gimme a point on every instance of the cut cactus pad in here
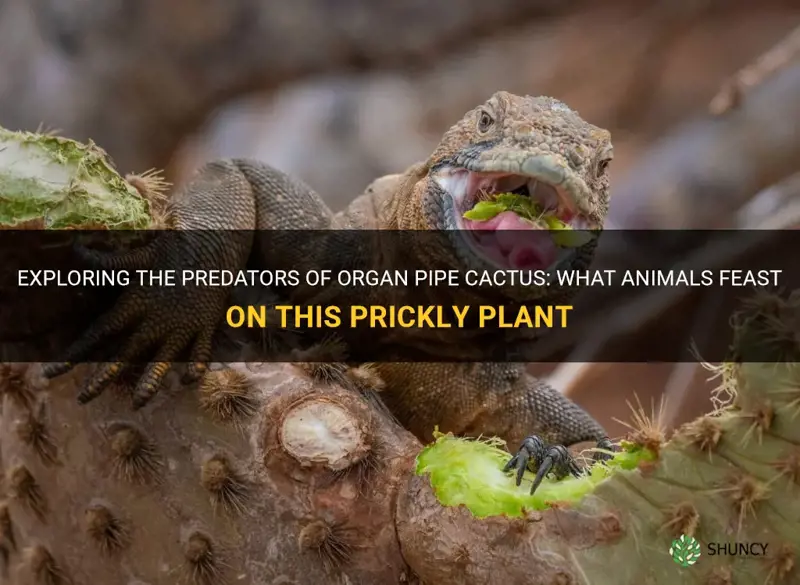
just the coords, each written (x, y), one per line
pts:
(54, 183)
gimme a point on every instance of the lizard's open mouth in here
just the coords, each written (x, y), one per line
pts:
(508, 239)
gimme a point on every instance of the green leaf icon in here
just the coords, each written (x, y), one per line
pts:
(685, 550)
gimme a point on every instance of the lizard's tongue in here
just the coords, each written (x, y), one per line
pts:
(509, 240)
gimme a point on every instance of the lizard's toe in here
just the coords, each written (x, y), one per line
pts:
(558, 461)
(123, 315)
(606, 450)
(512, 463)
(201, 355)
(107, 373)
(56, 369)
(153, 377)
(150, 383)
(531, 451)
(140, 342)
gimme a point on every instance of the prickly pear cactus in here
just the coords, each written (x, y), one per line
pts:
(731, 477)
(259, 475)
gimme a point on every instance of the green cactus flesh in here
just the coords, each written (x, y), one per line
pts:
(60, 183)
(469, 472)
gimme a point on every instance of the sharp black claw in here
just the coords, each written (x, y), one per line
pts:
(523, 465)
(511, 464)
(543, 470)
(576, 471)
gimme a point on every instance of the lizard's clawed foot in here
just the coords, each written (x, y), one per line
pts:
(158, 322)
(543, 459)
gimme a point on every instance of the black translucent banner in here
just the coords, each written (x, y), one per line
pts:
(366, 296)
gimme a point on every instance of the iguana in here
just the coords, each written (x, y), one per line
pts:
(532, 146)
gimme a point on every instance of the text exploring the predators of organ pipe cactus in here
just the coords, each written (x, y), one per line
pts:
(330, 282)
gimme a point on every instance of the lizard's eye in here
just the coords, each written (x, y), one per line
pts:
(485, 121)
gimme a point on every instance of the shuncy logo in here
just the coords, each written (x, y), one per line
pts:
(685, 550)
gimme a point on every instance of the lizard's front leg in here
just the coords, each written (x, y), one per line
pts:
(215, 218)
(499, 399)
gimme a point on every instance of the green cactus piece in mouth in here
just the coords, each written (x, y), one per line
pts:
(531, 212)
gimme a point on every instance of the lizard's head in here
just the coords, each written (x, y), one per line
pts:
(536, 147)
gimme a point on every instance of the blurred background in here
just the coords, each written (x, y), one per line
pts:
(702, 98)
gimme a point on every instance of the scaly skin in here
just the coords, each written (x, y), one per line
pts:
(538, 137)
